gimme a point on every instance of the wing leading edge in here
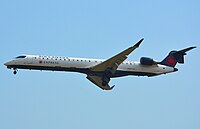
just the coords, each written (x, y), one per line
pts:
(109, 67)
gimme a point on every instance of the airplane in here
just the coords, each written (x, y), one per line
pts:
(101, 71)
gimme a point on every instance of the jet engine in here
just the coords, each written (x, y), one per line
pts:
(147, 61)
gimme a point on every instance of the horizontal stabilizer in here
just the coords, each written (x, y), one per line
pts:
(180, 54)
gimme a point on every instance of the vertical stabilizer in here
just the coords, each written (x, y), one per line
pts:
(175, 56)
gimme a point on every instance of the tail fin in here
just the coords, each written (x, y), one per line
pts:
(175, 56)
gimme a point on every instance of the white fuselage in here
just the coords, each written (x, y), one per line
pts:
(83, 65)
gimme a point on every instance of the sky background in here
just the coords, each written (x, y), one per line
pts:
(99, 29)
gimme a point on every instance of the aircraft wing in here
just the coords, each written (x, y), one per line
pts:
(97, 80)
(109, 67)
(112, 63)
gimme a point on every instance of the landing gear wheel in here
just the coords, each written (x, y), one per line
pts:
(104, 83)
(14, 72)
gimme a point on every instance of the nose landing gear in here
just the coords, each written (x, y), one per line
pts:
(15, 71)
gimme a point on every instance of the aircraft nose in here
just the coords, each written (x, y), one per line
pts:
(175, 69)
(8, 63)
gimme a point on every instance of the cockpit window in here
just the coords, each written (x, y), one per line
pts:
(20, 57)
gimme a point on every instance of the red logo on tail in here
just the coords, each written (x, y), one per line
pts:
(171, 61)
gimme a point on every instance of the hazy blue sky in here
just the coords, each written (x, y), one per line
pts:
(99, 29)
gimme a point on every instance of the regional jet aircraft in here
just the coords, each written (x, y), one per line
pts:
(101, 71)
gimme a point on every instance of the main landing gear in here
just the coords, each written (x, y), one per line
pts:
(104, 83)
(106, 78)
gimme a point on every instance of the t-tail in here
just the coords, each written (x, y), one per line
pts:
(175, 56)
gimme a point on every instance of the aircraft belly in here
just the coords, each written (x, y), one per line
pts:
(120, 73)
(137, 70)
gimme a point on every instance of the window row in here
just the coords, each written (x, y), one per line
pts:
(67, 59)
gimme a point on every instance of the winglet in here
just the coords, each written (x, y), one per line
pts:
(109, 88)
(112, 87)
(139, 42)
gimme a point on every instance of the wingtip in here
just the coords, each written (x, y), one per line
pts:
(139, 42)
(112, 87)
(194, 47)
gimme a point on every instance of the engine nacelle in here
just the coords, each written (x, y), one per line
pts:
(147, 61)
